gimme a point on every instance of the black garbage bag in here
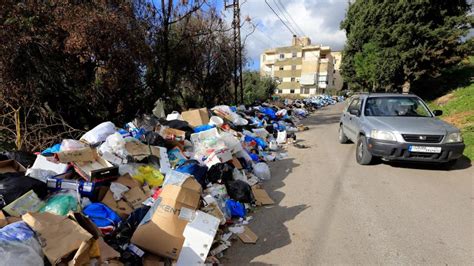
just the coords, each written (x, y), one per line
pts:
(154, 139)
(14, 185)
(122, 235)
(24, 158)
(239, 190)
(147, 122)
(181, 125)
(220, 172)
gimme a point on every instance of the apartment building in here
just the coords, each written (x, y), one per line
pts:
(301, 68)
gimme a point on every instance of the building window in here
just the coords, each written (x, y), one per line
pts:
(305, 91)
(294, 54)
(292, 79)
(292, 91)
(322, 79)
(323, 56)
(293, 67)
(280, 68)
(282, 56)
(280, 91)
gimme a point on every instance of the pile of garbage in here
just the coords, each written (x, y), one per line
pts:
(176, 188)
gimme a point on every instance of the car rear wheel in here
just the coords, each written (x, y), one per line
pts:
(342, 137)
(363, 155)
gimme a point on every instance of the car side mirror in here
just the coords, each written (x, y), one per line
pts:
(354, 112)
(437, 112)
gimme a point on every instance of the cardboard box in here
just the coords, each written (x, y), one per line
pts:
(60, 236)
(218, 156)
(196, 117)
(161, 230)
(97, 170)
(81, 155)
(11, 166)
(173, 134)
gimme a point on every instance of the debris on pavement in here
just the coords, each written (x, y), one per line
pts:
(160, 190)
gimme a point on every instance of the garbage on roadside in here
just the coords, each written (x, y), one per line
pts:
(173, 188)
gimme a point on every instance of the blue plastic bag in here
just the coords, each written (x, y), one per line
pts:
(260, 142)
(101, 215)
(202, 128)
(51, 150)
(235, 208)
(193, 168)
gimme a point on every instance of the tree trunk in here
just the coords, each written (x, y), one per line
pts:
(406, 87)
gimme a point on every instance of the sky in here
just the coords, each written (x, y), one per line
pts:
(317, 19)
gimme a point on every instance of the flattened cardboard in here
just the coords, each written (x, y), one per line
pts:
(248, 236)
(121, 207)
(140, 151)
(196, 117)
(11, 166)
(28, 202)
(161, 231)
(134, 197)
(59, 236)
(261, 196)
(82, 155)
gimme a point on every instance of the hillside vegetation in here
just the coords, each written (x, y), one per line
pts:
(458, 108)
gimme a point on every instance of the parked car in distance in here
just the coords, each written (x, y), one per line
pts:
(398, 127)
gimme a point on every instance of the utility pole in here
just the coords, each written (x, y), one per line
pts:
(238, 82)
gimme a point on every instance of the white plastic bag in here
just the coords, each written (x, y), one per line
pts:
(262, 171)
(71, 144)
(99, 133)
(281, 137)
(273, 145)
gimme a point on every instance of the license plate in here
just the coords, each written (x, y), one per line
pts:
(425, 149)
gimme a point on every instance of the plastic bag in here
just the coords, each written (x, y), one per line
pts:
(262, 171)
(61, 203)
(281, 137)
(24, 158)
(51, 150)
(14, 185)
(19, 246)
(240, 191)
(193, 168)
(218, 172)
(235, 209)
(149, 174)
(99, 133)
(71, 144)
(101, 214)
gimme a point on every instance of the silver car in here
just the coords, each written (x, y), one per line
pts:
(398, 127)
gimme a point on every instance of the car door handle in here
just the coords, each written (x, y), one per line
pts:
(350, 118)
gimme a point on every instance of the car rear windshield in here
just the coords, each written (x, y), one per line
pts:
(396, 106)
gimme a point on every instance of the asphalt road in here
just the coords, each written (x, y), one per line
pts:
(330, 210)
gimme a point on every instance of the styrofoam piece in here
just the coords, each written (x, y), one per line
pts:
(199, 234)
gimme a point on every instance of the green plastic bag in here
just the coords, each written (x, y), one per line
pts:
(60, 204)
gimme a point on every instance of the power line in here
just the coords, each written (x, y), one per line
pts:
(280, 18)
(296, 24)
(284, 16)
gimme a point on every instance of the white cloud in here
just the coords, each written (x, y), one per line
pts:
(318, 19)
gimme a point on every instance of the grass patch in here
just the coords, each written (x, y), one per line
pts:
(458, 109)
